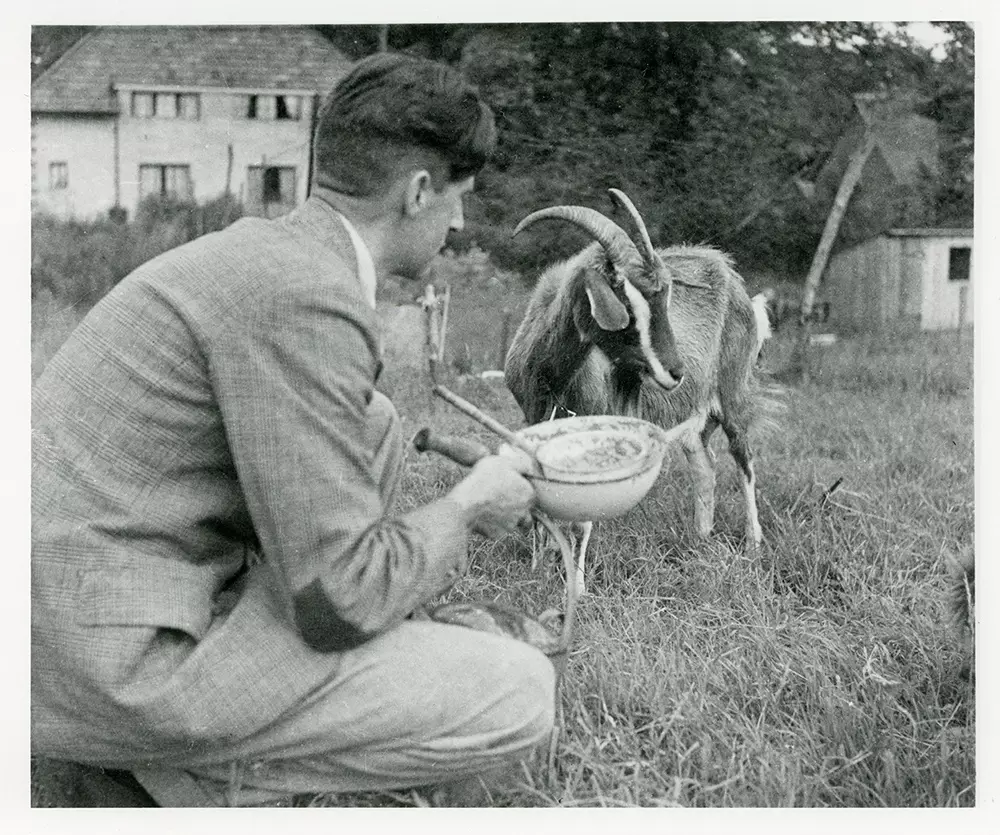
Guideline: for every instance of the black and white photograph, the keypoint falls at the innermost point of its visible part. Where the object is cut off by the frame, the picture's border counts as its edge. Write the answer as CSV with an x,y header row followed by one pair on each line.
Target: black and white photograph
x,y
560,413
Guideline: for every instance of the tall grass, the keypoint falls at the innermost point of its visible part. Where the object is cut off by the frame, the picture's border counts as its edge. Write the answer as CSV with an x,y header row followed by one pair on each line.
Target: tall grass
x,y
822,671
937,363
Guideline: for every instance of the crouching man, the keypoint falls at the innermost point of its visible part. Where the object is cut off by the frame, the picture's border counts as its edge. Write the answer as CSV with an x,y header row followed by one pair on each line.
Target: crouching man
x,y
220,584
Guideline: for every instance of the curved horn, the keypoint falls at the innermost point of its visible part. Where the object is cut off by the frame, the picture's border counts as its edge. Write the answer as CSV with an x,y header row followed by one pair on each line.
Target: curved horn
x,y
619,247
620,199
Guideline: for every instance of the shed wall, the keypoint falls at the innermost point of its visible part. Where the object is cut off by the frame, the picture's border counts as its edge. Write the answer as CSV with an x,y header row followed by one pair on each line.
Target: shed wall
x,y
942,296
902,279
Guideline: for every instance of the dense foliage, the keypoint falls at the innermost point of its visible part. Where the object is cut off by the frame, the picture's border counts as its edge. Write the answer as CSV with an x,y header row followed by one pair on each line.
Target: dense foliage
x,y
707,125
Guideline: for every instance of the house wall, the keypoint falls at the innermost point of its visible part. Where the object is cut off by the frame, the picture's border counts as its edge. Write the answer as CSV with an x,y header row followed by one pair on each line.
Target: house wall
x,y
86,145
204,144
941,304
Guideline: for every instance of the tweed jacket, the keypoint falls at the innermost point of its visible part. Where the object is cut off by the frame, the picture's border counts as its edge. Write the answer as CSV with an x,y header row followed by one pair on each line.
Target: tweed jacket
x,y
212,407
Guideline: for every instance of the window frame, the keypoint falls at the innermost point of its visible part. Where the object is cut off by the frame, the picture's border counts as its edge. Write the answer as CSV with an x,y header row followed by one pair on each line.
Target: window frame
x,y
162,171
58,175
966,252
156,101
274,107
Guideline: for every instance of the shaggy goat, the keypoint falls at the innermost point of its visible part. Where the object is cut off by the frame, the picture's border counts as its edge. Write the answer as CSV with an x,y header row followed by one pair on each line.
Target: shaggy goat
x,y
668,335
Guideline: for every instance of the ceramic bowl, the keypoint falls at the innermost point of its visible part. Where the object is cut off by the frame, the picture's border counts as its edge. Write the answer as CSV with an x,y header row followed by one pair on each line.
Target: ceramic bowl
x,y
594,467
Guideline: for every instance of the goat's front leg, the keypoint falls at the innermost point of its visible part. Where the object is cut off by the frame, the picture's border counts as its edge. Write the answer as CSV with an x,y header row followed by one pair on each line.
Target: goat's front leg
x,y
585,529
578,537
702,481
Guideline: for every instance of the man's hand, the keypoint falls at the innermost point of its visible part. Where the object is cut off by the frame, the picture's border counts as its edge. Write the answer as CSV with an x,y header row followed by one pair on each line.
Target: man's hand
x,y
495,497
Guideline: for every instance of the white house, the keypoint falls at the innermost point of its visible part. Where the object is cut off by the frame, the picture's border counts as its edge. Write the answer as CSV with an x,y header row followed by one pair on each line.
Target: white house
x,y
179,111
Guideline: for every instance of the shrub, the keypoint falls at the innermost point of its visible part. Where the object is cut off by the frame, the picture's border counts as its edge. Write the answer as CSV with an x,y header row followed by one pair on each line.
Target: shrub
x,y
77,262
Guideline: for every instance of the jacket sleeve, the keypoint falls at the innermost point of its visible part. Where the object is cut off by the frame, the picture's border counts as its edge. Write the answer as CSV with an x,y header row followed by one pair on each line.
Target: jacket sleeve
x,y
293,383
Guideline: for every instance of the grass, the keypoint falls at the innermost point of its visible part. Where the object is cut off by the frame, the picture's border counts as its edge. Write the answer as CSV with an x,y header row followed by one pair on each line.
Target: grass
x,y
822,671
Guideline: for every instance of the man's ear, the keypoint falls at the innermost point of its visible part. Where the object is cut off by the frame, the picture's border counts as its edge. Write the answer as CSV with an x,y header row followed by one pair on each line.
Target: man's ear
x,y
417,194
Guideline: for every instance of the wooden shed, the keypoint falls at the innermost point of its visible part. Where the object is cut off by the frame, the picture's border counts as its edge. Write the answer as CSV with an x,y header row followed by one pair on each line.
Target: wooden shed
x,y
921,278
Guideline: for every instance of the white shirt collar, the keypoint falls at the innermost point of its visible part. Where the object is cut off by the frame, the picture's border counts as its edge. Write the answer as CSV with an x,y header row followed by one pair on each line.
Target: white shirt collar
x,y
366,265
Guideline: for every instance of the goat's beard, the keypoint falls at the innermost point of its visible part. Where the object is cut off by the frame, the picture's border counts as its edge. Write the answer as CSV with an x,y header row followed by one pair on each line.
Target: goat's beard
x,y
627,378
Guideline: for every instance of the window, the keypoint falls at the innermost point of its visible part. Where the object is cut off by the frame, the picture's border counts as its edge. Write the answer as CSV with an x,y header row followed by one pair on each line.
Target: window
x,y
58,175
270,187
143,105
287,107
959,263
166,105
188,106
274,107
168,181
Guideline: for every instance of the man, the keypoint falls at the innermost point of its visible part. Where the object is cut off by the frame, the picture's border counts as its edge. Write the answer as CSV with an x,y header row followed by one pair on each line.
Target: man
x,y
219,582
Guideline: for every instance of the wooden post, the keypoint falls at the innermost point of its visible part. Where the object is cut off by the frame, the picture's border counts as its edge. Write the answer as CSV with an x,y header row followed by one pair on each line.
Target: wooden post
x,y
444,322
229,170
963,308
504,337
429,304
847,185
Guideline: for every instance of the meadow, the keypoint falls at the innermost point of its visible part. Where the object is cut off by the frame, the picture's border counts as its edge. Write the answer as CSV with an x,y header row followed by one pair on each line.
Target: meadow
x,y
822,671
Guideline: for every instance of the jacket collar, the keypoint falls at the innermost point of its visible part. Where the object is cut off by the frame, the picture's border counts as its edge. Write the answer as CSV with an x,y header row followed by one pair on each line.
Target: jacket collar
x,y
321,222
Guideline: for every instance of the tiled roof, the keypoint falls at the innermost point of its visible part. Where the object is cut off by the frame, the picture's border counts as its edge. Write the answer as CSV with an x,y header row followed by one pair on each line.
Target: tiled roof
x,y
262,57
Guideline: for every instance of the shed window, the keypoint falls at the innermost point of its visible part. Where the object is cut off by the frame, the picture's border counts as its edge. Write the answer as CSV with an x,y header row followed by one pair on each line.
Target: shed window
x,y
959,263
58,175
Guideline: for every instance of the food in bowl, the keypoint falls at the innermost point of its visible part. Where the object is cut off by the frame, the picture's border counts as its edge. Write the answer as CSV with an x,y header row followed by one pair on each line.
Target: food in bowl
x,y
601,453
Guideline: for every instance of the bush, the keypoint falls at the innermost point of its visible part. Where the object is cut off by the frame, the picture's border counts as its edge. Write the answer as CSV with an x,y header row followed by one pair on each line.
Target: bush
x,y
77,262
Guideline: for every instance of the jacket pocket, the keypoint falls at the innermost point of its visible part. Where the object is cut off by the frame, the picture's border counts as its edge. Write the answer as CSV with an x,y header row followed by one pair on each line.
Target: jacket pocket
x,y
144,590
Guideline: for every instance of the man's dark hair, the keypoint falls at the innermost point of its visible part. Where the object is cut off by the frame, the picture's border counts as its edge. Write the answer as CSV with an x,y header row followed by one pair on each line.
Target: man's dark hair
x,y
394,111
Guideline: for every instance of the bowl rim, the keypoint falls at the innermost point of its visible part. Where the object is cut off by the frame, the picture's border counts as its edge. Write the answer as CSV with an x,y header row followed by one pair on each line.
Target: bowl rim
x,y
654,435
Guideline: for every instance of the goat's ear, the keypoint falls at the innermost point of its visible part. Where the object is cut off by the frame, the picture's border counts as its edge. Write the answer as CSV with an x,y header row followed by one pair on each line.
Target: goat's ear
x,y
606,308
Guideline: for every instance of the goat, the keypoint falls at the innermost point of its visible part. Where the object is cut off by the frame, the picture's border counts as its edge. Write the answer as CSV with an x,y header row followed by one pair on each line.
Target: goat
x,y
668,335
